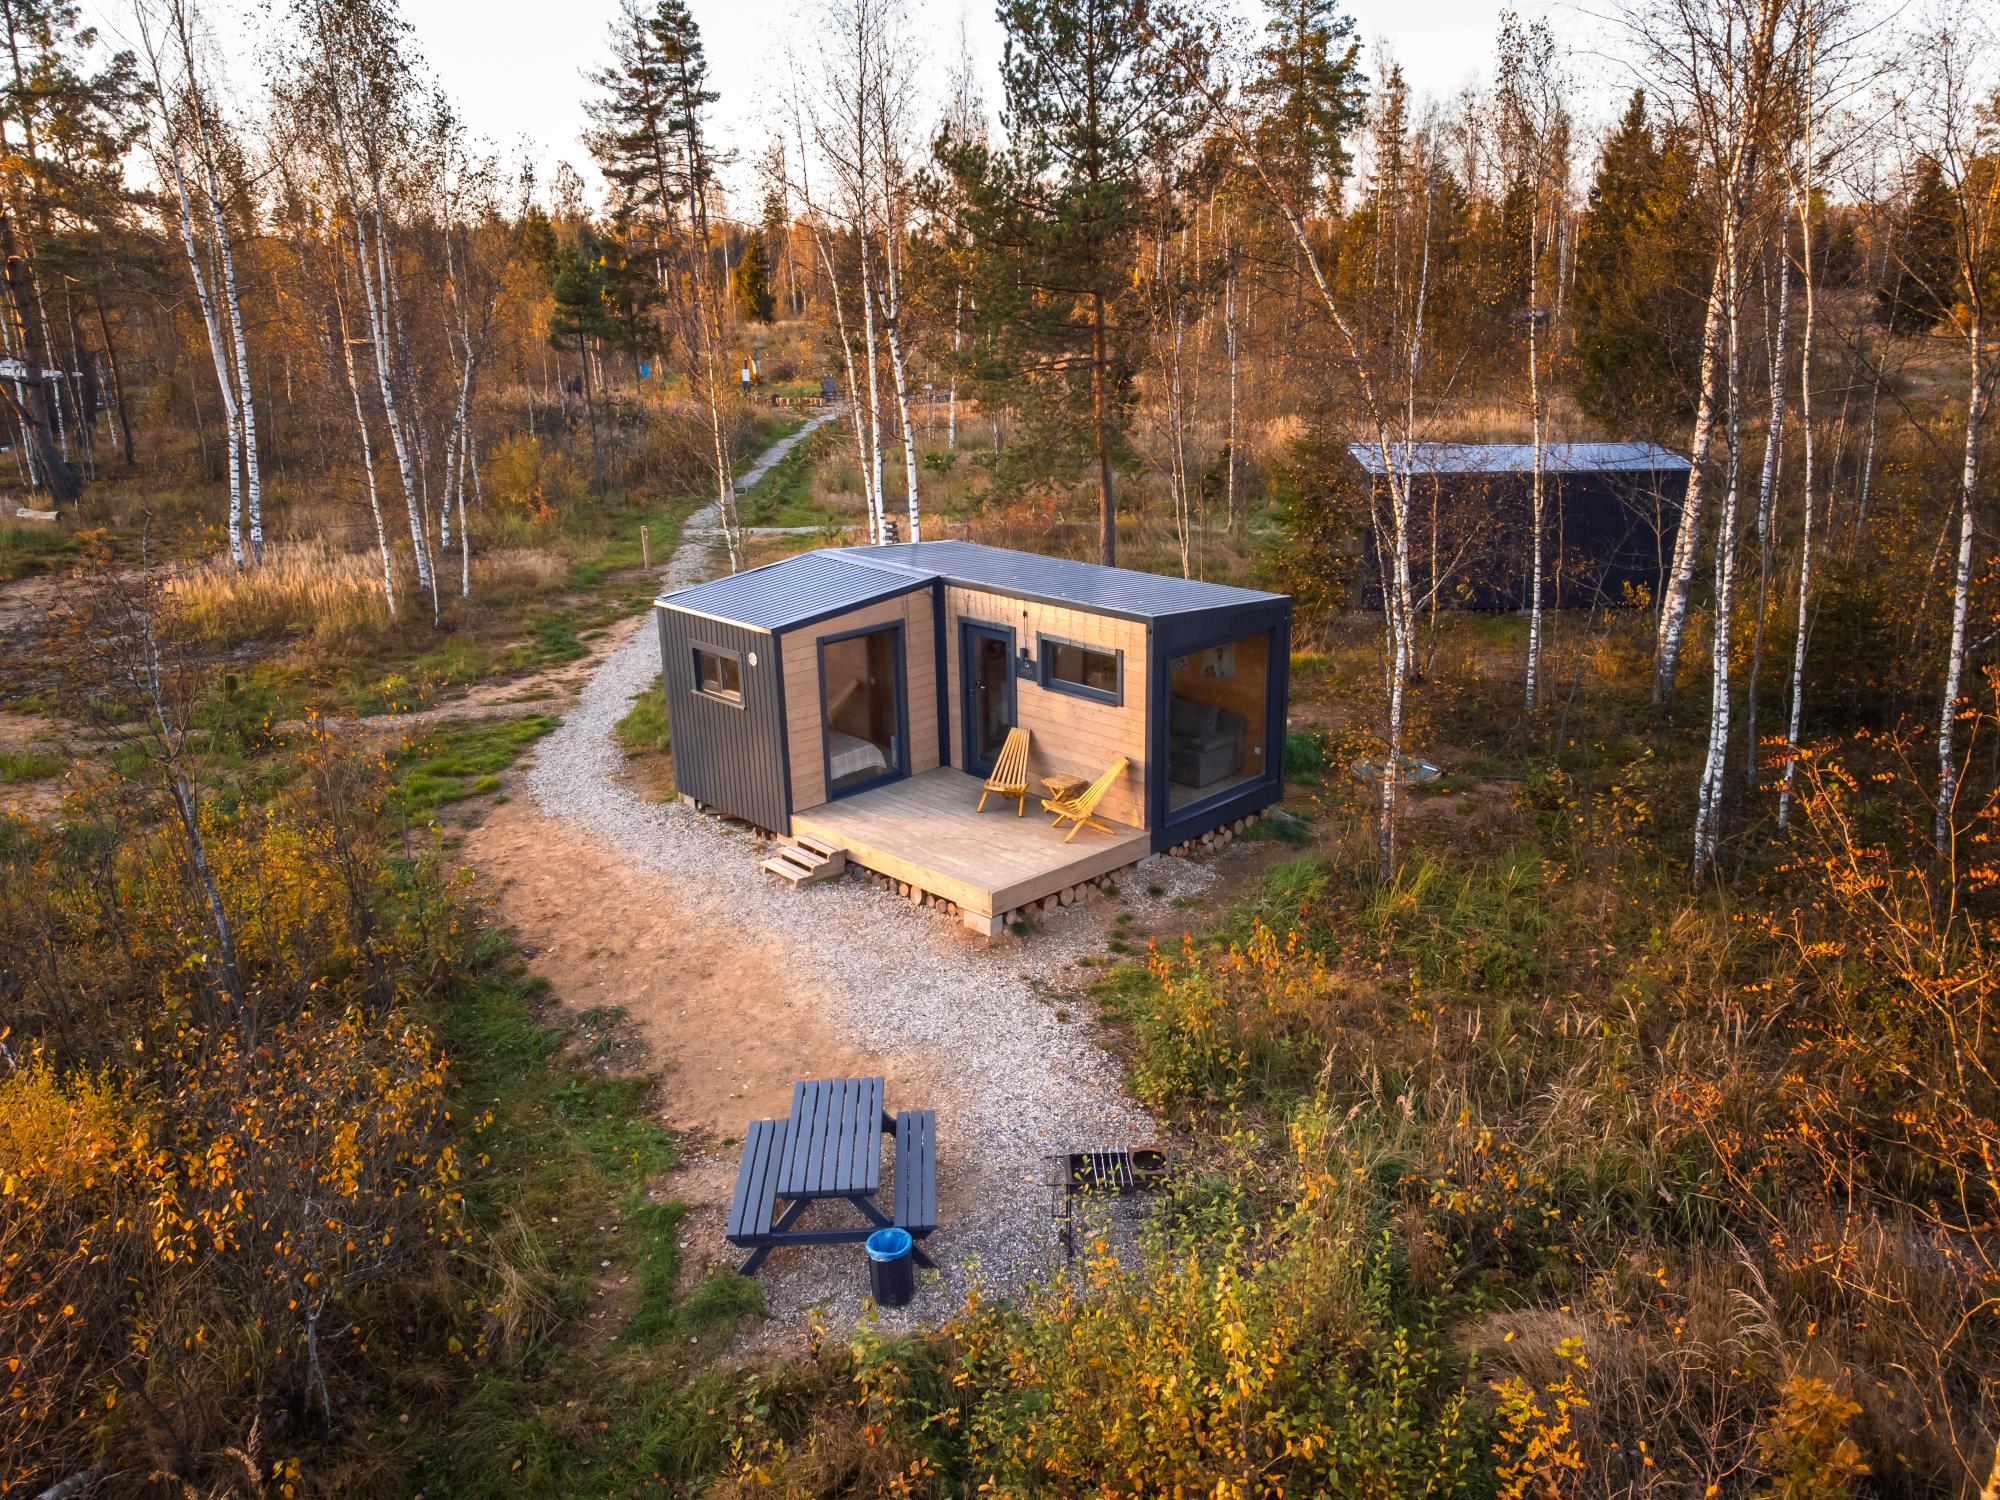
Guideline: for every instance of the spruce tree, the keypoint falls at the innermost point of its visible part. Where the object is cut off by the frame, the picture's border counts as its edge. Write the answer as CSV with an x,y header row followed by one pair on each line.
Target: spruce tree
x,y
1640,279
750,281
1923,268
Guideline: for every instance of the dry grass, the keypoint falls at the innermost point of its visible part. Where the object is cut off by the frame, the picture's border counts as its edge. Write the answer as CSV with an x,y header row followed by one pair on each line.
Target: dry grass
x,y
302,588
314,591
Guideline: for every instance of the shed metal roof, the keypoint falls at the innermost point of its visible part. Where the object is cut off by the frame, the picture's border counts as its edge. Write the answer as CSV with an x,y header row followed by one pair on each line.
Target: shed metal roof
x,y
812,585
1519,458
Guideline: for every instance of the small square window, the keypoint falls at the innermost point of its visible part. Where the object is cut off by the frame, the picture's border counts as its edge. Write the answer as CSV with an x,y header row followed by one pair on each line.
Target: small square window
x,y
1085,671
718,674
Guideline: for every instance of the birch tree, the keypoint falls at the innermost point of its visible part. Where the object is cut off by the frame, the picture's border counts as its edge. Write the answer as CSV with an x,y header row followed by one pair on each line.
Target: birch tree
x,y
1387,370
1958,134
1726,61
205,153
1534,142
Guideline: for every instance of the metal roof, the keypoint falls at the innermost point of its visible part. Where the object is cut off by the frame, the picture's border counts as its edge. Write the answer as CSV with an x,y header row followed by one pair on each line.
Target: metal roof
x,y
794,590
1058,580
1519,458
813,585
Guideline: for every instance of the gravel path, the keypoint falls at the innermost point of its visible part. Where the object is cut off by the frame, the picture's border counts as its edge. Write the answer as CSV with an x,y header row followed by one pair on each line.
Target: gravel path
x,y
1019,1073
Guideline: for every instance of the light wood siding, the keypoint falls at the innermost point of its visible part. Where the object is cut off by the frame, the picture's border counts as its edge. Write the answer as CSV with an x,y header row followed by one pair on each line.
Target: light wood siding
x,y
806,733
1066,733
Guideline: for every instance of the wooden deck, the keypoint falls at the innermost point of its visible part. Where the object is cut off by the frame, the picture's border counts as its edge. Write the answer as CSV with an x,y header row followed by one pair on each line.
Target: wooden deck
x,y
924,831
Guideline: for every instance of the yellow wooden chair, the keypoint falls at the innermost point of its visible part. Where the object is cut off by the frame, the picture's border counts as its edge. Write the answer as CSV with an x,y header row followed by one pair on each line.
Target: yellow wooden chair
x,y
1079,808
1010,773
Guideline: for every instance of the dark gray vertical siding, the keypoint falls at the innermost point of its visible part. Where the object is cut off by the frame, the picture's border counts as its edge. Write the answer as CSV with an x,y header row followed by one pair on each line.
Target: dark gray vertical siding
x,y
727,757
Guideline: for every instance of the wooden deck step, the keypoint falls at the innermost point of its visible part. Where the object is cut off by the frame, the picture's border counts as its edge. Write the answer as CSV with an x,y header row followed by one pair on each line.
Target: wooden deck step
x,y
807,865
825,849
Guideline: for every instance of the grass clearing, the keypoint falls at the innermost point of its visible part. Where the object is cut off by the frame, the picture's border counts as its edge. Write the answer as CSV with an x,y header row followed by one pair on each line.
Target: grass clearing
x,y
18,766
462,758
31,547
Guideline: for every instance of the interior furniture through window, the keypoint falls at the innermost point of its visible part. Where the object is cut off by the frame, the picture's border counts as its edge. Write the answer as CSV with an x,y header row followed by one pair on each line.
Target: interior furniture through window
x,y
863,712
1215,718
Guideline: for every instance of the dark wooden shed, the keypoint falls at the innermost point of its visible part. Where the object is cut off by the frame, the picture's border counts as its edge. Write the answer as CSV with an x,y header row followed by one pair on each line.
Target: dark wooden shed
x,y
1610,514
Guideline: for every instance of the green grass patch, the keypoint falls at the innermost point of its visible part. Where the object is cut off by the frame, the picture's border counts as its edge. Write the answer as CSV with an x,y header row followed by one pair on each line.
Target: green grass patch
x,y
644,728
17,766
462,759
32,547
784,497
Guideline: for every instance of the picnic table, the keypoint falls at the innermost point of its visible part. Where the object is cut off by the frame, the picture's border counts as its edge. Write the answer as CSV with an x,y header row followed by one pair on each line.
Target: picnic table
x,y
830,1149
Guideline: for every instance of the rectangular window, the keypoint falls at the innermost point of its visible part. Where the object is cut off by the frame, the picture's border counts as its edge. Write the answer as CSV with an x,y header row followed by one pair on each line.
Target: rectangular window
x,y
718,674
1216,701
1084,671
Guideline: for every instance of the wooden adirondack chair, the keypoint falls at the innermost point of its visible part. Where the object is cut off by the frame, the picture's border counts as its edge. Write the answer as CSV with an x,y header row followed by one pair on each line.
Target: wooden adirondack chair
x,y
1080,807
1010,773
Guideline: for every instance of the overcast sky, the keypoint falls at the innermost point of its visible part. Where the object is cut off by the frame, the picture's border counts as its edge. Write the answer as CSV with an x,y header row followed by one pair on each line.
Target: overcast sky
x,y
517,70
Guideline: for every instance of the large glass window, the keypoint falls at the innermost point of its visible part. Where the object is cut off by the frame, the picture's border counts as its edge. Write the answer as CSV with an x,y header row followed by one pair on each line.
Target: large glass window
x,y
1085,671
1215,718
863,715
718,673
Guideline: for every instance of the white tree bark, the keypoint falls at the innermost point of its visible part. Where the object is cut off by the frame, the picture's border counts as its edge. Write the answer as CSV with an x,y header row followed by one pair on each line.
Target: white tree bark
x,y
1708,810
957,341
167,152
367,444
1687,535
246,405
1802,619
1767,486
1961,586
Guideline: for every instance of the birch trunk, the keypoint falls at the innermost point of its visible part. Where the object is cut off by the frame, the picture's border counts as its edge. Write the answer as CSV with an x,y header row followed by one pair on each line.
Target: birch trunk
x,y
246,406
1802,618
168,154
1537,489
951,406
1687,535
1767,484
1708,811
367,446
1961,588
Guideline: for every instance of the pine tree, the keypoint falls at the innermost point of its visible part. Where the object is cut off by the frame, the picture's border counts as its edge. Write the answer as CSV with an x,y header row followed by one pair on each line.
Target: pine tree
x,y
1055,222
1308,92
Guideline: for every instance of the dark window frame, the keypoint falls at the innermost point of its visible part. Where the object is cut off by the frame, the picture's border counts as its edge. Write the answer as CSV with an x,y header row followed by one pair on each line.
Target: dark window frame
x,y
899,661
722,653
1044,661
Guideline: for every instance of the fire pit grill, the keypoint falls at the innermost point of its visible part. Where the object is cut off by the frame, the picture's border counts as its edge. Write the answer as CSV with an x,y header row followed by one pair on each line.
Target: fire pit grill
x,y
1102,1173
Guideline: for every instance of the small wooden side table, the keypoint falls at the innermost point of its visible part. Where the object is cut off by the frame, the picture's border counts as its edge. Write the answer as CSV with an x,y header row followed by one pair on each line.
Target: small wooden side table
x,y
1064,787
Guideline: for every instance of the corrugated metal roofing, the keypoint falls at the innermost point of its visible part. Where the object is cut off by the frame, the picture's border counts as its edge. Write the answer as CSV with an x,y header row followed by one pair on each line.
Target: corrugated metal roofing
x,y
1519,458
812,585
793,590
1058,580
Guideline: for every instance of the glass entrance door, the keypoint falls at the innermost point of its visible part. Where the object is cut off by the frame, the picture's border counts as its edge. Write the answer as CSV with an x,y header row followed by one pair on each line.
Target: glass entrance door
x,y
985,666
861,677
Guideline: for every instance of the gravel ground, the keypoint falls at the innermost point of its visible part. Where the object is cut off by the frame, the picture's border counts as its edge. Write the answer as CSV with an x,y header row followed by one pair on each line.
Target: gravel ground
x,y
1020,1075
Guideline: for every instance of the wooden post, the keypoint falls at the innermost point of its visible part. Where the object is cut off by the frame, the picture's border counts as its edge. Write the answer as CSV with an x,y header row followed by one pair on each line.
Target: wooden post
x,y
645,547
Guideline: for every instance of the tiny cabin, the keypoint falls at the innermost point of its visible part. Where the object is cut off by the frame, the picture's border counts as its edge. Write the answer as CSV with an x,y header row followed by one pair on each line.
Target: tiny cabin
x,y
859,695
1610,511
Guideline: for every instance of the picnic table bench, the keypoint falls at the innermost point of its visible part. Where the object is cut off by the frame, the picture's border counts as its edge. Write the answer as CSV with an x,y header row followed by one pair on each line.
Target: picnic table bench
x,y
830,1148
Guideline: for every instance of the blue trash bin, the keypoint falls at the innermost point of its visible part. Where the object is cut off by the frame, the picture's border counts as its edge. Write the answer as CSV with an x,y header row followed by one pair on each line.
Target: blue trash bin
x,y
892,1268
